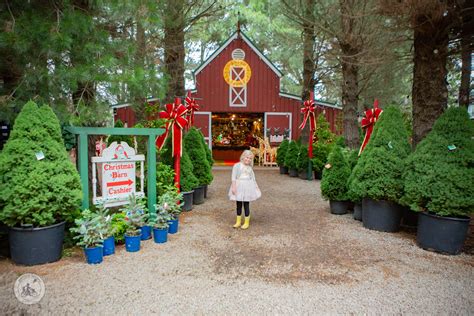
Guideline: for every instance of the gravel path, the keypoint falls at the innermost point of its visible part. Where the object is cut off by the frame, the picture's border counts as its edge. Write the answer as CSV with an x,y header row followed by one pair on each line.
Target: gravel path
x,y
295,258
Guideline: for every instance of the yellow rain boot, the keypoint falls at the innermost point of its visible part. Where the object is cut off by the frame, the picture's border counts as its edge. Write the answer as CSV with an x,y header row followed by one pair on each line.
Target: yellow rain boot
x,y
238,222
247,222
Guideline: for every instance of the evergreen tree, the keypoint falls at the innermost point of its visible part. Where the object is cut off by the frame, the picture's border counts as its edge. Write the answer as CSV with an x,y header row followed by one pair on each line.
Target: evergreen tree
x,y
335,175
281,152
292,155
324,143
303,159
439,175
197,154
382,161
37,190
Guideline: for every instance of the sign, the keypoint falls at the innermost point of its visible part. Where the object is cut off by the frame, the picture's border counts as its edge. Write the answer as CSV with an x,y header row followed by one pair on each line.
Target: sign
x,y
117,171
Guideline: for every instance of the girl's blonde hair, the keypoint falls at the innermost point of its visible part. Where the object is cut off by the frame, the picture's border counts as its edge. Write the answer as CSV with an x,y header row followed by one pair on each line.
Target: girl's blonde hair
x,y
247,153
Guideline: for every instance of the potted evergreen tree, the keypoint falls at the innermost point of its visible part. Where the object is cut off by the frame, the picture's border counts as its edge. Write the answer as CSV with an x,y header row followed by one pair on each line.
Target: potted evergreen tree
x,y
379,180
40,188
354,193
334,181
291,158
135,219
302,162
201,167
322,146
281,154
209,159
439,179
171,202
160,222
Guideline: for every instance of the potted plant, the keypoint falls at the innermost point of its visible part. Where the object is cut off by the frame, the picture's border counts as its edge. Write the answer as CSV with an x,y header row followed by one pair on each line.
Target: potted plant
x,y
209,159
302,162
322,146
201,167
281,154
107,231
135,218
439,179
334,181
40,188
171,202
119,227
379,181
291,158
88,230
187,178
160,222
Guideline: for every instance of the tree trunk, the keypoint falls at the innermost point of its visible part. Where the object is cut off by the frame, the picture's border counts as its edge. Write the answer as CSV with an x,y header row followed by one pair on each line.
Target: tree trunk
x,y
466,51
350,88
139,104
430,93
174,49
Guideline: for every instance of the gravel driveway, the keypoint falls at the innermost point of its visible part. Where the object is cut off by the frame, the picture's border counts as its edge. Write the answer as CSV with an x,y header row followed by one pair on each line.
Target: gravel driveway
x,y
295,258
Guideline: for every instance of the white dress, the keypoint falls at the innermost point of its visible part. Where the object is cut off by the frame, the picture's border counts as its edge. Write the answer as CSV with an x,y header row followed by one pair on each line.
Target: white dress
x,y
247,188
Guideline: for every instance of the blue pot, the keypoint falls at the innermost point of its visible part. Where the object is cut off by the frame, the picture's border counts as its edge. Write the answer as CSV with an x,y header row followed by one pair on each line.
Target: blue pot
x,y
109,246
94,255
146,232
160,235
132,243
173,229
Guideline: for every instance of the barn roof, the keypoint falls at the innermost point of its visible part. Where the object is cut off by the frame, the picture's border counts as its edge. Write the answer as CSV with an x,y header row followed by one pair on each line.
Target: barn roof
x,y
234,36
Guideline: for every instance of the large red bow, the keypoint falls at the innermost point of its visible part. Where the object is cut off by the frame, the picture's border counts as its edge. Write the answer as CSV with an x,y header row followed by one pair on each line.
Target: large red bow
x,y
308,111
175,115
191,106
368,122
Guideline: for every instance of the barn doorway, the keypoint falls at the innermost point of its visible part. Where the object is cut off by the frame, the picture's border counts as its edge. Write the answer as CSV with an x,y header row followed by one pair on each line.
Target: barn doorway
x,y
234,132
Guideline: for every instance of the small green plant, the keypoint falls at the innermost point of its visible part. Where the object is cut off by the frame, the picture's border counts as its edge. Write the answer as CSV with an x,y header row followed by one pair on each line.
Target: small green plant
x,y
292,155
281,152
171,201
335,175
135,216
89,230
119,227
162,217
164,178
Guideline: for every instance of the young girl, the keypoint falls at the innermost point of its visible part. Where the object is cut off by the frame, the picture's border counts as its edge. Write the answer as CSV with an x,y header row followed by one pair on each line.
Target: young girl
x,y
244,187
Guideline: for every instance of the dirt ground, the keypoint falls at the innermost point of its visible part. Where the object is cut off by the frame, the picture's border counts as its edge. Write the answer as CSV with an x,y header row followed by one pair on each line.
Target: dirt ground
x,y
295,258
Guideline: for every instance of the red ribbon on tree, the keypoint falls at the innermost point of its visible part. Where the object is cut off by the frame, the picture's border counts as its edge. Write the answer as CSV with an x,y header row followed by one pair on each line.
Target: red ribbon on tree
x,y
191,106
175,115
308,111
368,122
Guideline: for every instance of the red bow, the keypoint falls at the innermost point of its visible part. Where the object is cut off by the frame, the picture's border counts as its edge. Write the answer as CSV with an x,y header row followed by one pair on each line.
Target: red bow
x,y
368,122
308,111
175,115
191,106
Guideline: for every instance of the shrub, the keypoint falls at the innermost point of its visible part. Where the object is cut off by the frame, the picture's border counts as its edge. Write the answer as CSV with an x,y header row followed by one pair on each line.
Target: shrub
x,y
88,230
380,166
207,149
187,178
119,227
439,175
335,175
281,152
324,143
37,192
164,178
292,155
197,154
303,159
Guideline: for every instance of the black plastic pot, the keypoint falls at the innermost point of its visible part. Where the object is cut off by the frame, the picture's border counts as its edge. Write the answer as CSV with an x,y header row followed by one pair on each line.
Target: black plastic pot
x,y
384,216
283,170
441,234
358,211
409,217
293,172
205,191
303,175
31,246
188,201
339,207
198,195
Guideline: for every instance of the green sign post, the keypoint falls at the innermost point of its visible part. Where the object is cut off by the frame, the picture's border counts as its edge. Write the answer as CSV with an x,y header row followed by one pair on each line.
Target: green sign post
x,y
83,156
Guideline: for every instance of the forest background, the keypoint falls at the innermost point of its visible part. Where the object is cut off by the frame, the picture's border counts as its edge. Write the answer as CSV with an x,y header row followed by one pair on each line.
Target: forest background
x,y
81,56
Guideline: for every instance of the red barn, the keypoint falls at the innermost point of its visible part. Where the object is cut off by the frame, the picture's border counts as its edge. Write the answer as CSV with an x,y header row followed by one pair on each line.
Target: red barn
x,y
238,91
